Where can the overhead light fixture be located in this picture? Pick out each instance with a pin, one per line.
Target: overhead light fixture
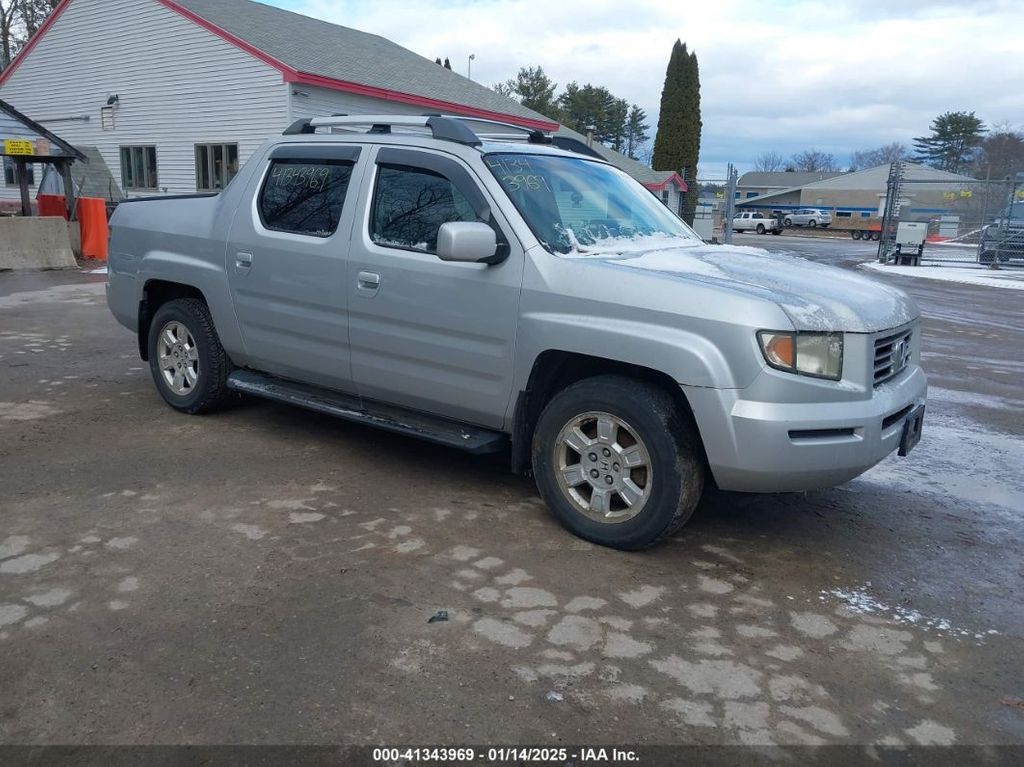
(113, 99)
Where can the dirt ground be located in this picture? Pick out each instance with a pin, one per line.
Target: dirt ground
(266, 575)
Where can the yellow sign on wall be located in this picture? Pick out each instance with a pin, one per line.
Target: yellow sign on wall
(17, 146)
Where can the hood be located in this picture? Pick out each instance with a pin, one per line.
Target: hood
(814, 296)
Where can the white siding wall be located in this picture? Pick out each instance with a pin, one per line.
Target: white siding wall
(309, 101)
(179, 85)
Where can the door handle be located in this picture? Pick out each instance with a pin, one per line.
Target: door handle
(243, 261)
(369, 281)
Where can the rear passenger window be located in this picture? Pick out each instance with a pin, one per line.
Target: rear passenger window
(304, 197)
(410, 204)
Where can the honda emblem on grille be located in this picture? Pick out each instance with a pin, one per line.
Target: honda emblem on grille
(900, 354)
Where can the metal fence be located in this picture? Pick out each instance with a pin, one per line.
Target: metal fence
(967, 221)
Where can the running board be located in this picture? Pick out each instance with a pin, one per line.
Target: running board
(472, 439)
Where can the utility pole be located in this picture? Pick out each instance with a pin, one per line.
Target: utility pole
(731, 179)
(469, 67)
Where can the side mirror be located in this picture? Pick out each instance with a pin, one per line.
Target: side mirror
(466, 241)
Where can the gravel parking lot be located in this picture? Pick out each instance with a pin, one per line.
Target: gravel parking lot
(266, 575)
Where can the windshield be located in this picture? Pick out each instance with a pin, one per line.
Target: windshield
(577, 205)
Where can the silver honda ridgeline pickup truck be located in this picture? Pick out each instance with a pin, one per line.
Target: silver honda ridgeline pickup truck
(490, 291)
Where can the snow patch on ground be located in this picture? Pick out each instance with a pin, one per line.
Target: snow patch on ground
(958, 458)
(859, 601)
(966, 274)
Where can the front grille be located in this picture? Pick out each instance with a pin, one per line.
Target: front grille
(892, 355)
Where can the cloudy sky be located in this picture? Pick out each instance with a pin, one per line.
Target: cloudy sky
(784, 75)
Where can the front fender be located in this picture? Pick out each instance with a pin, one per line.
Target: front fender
(688, 357)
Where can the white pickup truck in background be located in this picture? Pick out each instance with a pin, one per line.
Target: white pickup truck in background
(756, 221)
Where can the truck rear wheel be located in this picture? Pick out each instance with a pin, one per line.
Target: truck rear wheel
(188, 363)
(760, 228)
(617, 462)
(855, 234)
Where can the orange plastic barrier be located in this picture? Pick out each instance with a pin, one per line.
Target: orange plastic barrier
(92, 215)
(52, 205)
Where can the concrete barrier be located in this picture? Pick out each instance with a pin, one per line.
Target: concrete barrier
(35, 243)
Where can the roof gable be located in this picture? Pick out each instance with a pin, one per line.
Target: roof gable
(313, 52)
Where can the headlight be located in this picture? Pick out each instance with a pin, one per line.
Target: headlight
(811, 354)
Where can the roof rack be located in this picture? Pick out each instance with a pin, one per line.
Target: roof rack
(442, 127)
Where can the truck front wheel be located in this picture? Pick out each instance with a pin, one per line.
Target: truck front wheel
(188, 363)
(617, 462)
(760, 228)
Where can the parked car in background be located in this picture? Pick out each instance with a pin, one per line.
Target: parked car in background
(509, 295)
(757, 222)
(810, 217)
(1003, 239)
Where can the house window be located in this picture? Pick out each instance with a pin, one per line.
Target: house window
(11, 174)
(664, 196)
(216, 165)
(751, 194)
(304, 197)
(138, 167)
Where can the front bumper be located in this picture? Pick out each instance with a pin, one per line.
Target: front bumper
(763, 447)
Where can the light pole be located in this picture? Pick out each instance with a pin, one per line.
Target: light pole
(469, 68)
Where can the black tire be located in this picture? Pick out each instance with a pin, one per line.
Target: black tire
(760, 228)
(812, 223)
(676, 461)
(876, 236)
(776, 230)
(787, 222)
(210, 390)
(855, 234)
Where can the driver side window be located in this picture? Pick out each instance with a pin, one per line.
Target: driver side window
(410, 204)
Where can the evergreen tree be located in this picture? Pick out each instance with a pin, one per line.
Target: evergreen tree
(593, 109)
(438, 61)
(951, 146)
(636, 131)
(534, 89)
(677, 144)
(447, 64)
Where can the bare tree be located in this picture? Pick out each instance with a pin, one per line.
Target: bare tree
(10, 22)
(1001, 153)
(34, 13)
(769, 162)
(814, 161)
(883, 155)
